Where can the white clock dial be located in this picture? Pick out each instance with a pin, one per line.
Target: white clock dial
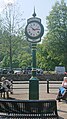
(33, 29)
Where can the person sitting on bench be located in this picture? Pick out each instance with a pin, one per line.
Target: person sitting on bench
(5, 86)
(62, 89)
(2, 89)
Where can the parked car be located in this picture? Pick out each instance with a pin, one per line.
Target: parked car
(17, 71)
(4, 71)
(59, 69)
(29, 71)
(39, 71)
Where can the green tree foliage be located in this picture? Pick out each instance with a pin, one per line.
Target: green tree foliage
(40, 56)
(56, 38)
(13, 30)
(21, 52)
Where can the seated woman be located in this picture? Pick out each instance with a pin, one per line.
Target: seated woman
(62, 89)
(5, 86)
(2, 90)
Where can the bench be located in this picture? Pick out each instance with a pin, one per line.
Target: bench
(28, 109)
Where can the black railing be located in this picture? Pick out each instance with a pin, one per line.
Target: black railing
(49, 84)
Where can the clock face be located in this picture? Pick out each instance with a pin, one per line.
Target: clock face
(33, 29)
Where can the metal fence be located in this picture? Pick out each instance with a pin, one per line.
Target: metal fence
(49, 84)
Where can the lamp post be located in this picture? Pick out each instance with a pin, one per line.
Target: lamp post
(34, 31)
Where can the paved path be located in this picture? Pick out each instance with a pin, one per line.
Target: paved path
(23, 94)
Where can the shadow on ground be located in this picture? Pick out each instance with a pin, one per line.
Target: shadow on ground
(61, 118)
(62, 111)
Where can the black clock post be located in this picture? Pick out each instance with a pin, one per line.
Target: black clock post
(34, 31)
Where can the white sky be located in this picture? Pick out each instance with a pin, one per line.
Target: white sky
(42, 8)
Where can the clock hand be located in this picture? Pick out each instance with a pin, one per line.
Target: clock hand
(35, 29)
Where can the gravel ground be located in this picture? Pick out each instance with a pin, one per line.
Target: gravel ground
(23, 94)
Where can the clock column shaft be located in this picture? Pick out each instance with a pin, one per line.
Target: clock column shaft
(34, 81)
(33, 59)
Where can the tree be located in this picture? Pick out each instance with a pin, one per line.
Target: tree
(40, 56)
(56, 38)
(13, 37)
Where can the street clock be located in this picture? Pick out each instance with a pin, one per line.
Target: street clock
(34, 29)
